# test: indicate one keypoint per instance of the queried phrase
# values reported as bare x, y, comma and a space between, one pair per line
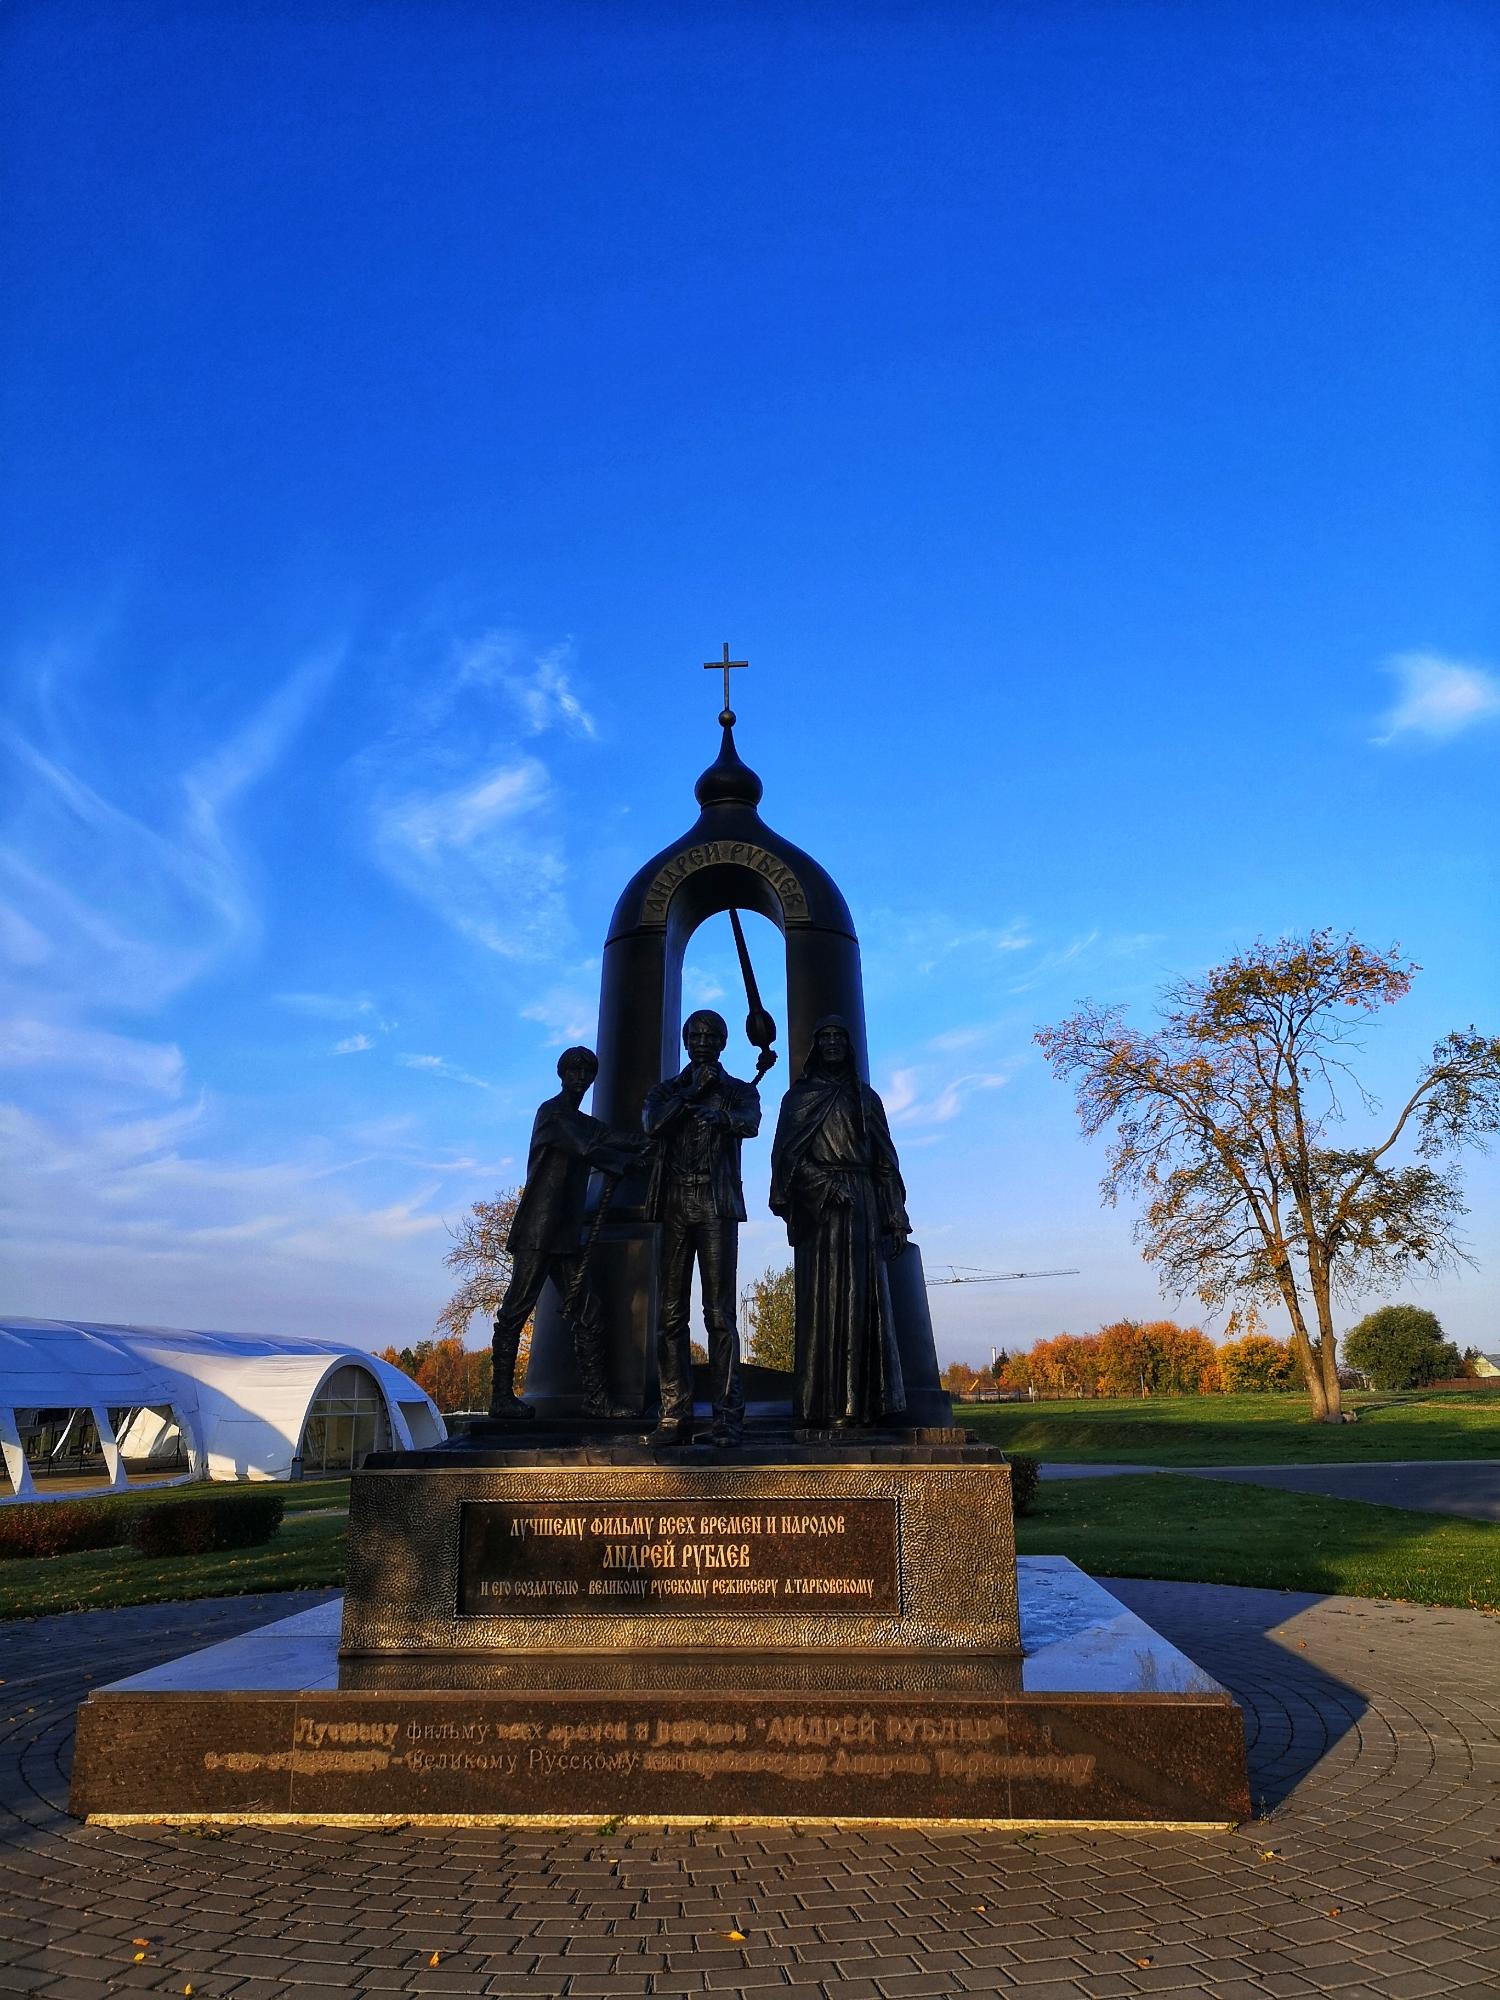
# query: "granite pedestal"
827, 1631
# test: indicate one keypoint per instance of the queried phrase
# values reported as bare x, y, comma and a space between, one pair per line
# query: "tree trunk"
1309, 1359
1328, 1360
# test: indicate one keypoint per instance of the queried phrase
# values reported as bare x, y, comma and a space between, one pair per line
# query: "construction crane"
968, 1274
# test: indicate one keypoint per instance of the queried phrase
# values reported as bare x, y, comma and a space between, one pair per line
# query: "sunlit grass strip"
1173, 1528
305, 1553
1204, 1531
1239, 1430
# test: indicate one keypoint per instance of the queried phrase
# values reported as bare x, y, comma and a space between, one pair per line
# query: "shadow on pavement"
1295, 1711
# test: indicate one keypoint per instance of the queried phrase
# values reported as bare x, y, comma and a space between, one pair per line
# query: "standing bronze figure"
546, 1236
698, 1120
836, 1184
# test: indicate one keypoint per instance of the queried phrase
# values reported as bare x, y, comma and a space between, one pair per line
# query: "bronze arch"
729, 858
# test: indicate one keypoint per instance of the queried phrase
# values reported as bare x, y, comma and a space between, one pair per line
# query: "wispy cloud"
128, 907
1438, 697
900, 1093
113, 1218
21, 943
1094, 947
353, 1045
922, 942
950, 1099
913, 1100
440, 1066
565, 1014
1052, 962
216, 781
154, 1067
536, 682
461, 806
327, 1006
952, 1040
480, 853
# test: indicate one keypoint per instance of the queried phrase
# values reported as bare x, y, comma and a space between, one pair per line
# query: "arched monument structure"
728, 859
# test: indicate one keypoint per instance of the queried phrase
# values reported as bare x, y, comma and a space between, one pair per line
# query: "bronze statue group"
835, 1182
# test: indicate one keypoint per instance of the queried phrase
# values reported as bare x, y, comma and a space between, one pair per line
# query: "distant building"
89, 1407
1487, 1366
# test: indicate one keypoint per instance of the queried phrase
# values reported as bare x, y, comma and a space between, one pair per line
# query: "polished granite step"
1097, 1719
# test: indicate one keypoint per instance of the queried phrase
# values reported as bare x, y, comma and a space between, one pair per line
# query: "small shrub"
1025, 1475
194, 1527
60, 1527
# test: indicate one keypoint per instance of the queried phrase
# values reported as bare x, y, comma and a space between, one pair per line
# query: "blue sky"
1082, 417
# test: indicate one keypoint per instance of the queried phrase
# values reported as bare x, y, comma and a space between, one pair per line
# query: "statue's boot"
593, 1382
504, 1402
728, 1433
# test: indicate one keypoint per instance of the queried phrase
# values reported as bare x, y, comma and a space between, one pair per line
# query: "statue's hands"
713, 1115
897, 1240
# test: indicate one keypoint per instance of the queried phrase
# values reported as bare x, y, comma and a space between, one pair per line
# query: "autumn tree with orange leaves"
1065, 1365
456, 1377
1155, 1357
1224, 1123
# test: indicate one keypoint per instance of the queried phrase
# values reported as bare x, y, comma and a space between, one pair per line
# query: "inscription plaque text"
522, 1558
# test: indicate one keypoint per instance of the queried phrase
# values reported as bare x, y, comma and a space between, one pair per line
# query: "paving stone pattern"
1374, 1869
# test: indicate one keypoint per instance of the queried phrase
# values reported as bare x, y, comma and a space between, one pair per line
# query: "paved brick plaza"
1374, 1755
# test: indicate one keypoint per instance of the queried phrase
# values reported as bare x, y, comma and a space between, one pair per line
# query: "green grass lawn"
1201, 1531
1153, 1525
1241, 1430
306, 1551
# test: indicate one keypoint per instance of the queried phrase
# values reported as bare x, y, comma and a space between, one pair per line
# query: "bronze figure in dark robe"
546, 1237
836, 1184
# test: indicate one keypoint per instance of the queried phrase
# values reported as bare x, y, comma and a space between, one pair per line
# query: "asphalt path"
1467, 1486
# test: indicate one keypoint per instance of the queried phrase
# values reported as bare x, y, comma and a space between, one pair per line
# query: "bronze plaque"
616, 1558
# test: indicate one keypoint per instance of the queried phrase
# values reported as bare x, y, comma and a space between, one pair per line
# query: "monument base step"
769, 1438
1098, 1721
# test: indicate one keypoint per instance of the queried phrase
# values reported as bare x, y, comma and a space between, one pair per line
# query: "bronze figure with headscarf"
836, 1183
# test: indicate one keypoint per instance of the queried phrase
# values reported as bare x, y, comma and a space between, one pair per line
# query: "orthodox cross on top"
726, 666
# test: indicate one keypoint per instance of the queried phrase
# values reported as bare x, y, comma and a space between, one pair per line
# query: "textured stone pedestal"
809, 1628
1098, 1719
605, 1549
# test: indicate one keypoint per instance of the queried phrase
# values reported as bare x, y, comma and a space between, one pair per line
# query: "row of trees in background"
1135, 1358
1395, 1347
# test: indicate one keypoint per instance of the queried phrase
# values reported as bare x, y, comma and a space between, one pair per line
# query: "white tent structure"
124, 1401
